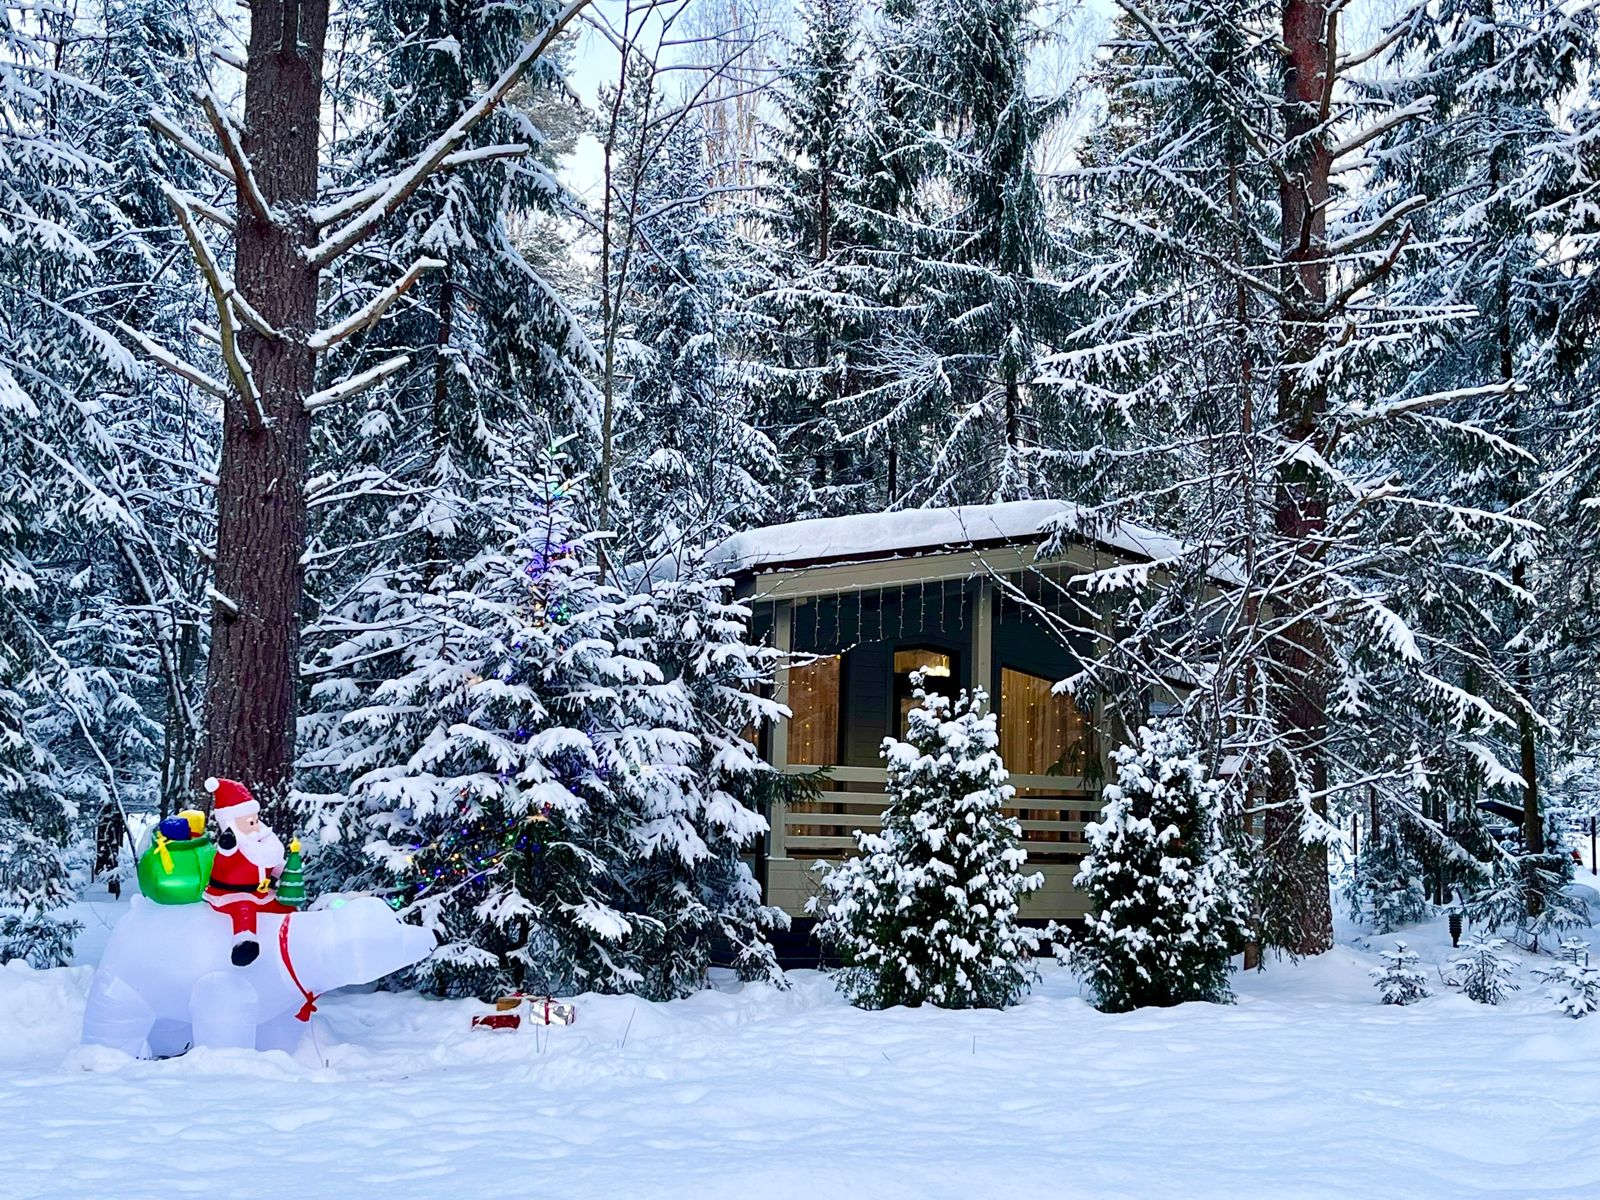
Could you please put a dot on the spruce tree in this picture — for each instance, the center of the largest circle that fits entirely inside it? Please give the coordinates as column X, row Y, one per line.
column 1399, row 980
column 926, row 913
column 1574, row 981
column 693, row 788
column 1483, row 971
column 814, row 214
column 690, row 465
column 490, row 780
column 1387, row 888
column 1493, row 243
column 1166, row 895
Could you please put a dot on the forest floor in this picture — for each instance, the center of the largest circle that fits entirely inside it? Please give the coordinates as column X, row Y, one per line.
column 1306, row 1087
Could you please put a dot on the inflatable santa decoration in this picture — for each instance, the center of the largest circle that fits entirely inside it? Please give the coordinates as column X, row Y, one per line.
column 249, row 860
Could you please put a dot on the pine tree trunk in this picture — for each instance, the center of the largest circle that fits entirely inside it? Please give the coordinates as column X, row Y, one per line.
column 1302, row 908
column 252, row 677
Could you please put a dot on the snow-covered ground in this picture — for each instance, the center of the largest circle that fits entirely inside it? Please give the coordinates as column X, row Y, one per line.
column 1305, row 1088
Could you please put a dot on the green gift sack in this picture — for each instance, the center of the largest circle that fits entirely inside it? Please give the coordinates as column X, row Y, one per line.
column 176, row 872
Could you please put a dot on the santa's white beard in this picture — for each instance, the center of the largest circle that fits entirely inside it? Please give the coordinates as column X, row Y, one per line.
column 261, row 848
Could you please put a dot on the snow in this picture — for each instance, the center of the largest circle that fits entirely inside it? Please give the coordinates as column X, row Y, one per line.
column 920, row 530
column 1306, row 1088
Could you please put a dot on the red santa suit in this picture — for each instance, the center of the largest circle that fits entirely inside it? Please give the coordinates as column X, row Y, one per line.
column 246, row 869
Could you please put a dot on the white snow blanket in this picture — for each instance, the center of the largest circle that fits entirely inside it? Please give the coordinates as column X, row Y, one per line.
column 1306, row 1088
column 924, row 530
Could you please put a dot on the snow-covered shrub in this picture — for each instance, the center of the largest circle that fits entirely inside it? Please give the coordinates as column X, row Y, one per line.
column 1399, row 981
column 1574, row 981
column 1483, row 972
column 926, row 912
column 1167, row 895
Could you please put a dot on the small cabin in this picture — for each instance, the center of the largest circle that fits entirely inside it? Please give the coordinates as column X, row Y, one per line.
column 967, row 596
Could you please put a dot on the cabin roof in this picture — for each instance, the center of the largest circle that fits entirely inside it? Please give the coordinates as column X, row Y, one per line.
column 915, row 531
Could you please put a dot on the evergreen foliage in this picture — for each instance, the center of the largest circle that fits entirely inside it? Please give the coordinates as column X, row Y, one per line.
column 484, row 777
column 1387, row 888
column 1574, row 982
column 1482, row 971
column 694, row 790
column 1166, row 895
column 1399, row 980
column 690, row 464
column 926, row 912
column 556, row 780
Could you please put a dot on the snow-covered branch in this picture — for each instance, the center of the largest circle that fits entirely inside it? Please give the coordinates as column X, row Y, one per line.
column 373, row 309
column 166, row 358
column 222, row 295
column 394, row 191
column 174, row 133
column 244, row 175
column 356, row 384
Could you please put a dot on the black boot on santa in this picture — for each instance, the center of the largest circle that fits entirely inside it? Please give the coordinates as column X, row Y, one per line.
column 245, row 950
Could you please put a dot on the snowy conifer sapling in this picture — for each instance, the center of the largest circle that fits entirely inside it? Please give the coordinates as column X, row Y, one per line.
column 926, row 913
column 1483, row 972
column 1574, row 982
column 1399, row 981
column 1166, row 893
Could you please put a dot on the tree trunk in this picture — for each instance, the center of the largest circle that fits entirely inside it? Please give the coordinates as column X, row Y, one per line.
column 1302, row 921
column 252, row 677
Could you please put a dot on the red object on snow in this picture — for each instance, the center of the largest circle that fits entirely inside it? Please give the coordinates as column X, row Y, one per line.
column 509, row 1020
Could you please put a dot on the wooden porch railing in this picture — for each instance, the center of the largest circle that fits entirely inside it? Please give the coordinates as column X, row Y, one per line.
column 1051, row 809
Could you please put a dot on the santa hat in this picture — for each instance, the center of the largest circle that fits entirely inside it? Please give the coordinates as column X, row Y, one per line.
column 230, row 801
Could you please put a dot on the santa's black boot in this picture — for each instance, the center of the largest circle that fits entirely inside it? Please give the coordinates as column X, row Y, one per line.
column 245, row 951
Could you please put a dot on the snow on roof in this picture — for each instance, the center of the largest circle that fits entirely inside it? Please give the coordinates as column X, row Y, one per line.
column 923, row 530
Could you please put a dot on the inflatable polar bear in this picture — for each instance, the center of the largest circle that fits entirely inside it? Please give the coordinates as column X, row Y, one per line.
column 166, row 983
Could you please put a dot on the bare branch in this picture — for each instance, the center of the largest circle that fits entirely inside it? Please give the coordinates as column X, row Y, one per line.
column 222, row 293
column 243, row 173
column 166, row 358
column 163, row 125
column 328, row 214
column 369, row 312
column 356, row 384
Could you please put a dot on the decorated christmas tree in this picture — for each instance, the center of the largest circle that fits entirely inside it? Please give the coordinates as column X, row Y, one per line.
column 292, row 883
column 926, row 913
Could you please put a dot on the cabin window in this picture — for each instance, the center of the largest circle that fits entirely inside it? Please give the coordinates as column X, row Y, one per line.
column 937, row 667
column 1041, row 733
column 814, row 700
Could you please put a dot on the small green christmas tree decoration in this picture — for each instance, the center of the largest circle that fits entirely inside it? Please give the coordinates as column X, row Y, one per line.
column 292, row 883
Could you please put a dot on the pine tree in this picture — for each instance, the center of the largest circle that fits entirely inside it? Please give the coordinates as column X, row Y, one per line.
column 1493, row 239
column 490, row 782
column 1399, row 981
column 1574, row 982
column 926, row 913
column 691, row 466
column 1387, row 888
column 1167, row 897
column 687, row 882
column 72, row 665
column 957, row 246
column 407, row 482
column 813, row 210
column 1483, row 972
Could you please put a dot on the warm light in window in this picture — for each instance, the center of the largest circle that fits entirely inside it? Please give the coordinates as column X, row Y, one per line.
column 930, row 662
